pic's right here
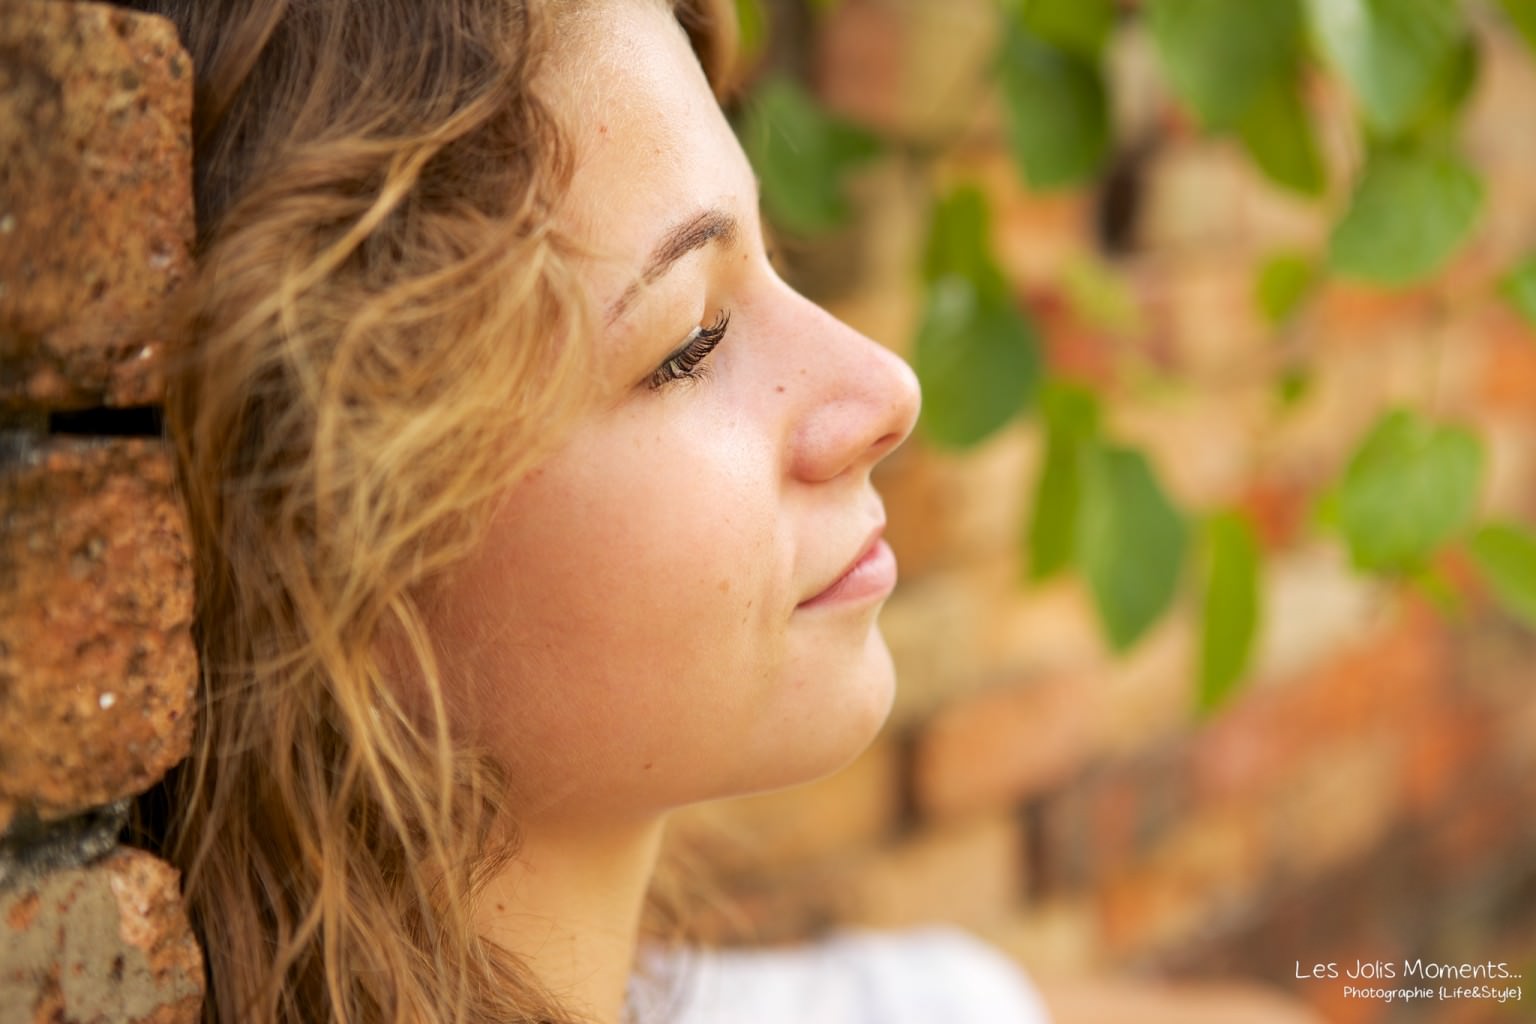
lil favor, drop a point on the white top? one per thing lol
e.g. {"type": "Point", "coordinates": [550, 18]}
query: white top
{"type": "Point", "coordinates": [930, 976]}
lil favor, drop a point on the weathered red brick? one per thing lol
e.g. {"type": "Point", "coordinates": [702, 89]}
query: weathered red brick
{"type": "Point", "coordinates": [103, 944]}
{"type": "Point", "coordinates": [1336, 806]}
{"type": "Point", "coordinates": [1277, 507]}
{"type": "Point", "coordinates": [946, 510]}
{"type": "Point", "coordinates": [910, 70]}
{"type": "Point", "coordinates": [97, 665]}
{"type": "Point", "coordinates": [96, 216]}
{"type": "Point", "coordinates": [1001, 746]}
{"type": "Point", "coordinates": [1212, 865]}
{"type": "Point", "coordinates": [1351, 313]}
{"type": "Point", "coordinates": [967, 873]}
{"type": "Point", "coordinates": [849, 810]}
{"type": "Point", "coordinates": [1509, 375]}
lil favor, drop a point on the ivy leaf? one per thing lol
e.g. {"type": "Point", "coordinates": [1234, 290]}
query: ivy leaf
{"type": "Point", "coordinates": [1294, 384]}
{"type": "Point", "coordinates": [1058, 110]}
{"type": "Point", "coordinates": [1071, 417]}
{"type": "Point", "coordinates": [1130, 542]}
{"type": "Point", "coordinates": [1220, 55]}
{"type": "Point", "coordinates": [1506, 554]}
{"type": "Point", "coordinates": [1277, 133]}
{"type": "Point", "coordinates": [959, 241]}
{"type": "Point", "coordinates": [1523, 14]}
{"type": "Point", "coordinates": [1519, 287]}
{"type": "Point", "coordinates": [1284, 281]}
{"type": "Point", "coordinates": [976, 354]}
{"type": "Point", "coordinates": [802, 155]}
{"type": "Point", "coordinates": [751, 28]}
{"type": "Point", "coordinates": [1231, 613]}
{"type": "Point", "coordinates": [1436, 588]}
{"type": "Point", "coordinates": [978, 359]}
{"type": "Point", "coordinates": [1390, 51]}
{"type": "Point", "coordinates": [1077, 26]}
{"type": "Point", "coordinates": [1436, 121]}
{"type": "Point", "coordinates": [1098, 294]}
{"type": "Point", "coordinates": [1409, 212]}
{"type": "Point", "coordinates": [1409, 488]}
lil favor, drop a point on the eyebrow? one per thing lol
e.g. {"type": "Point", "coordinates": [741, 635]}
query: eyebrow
{"type": "Point", "coordinates": [696, 232]}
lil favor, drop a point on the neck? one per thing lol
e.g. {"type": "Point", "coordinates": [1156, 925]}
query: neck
{"type": "Point", "coordinates": [569, 907]}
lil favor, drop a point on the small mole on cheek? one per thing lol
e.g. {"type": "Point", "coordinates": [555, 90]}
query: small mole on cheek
{"type": "Point", "coordinates": [648, 765]}
{"type": "Point", "coordinates": [779, 388]}
{"type": "Point", "coordinates": [725, 586]}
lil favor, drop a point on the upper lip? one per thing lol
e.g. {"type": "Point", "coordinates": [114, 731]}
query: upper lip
{"type": "Point", "coordinates": [870, 540]}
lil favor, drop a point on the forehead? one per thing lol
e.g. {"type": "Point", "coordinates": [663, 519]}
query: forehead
{"type": "Point", "coordinates": [650, 143]}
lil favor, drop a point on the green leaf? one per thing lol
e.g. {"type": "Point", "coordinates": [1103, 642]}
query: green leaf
{"type": "Point", "coordinates": [1506, 554]}
{"type": "Point", "coordinates": [1390, 51]}
{"type": "Point", "coordinates": [1071, 417]}
{"type": "Point", "coordinates": [1410, 487]}
{"type": "Point", "coordinates": [1077, 26]}
{"type": "Point", "coordinates": [1130, 542]}
{"type": "Point", "coordinates": [1058, 110]}
{"type": "Point", "coordinates": [1519, 287]}
{"type": "Point", "coordinates": [1277, 133]}
{"type": "Point", "coordinates": [976, 354]}
{"type": "Point", "coordinates": [1220, 54]}
{"type": "Point", "coordinates": [1231, 613]}
{"type": "Point", "coordinates": [1437, 120]}
{"type": "Point", "coordinates": [1409, 212]}
{"type": "Point", "coordinates": [802, 156]}
{"type": "Point", "coordinates": [1325, 510]}
{"type": "Point", "coordinates": [1294, 384]}
{"type": "Point", "coordinates": [1523, 14]}
{"type": "Point", "coordinates": [1436, 588]}
{"type": "Point", "coordinates": [978, 359]}
{"type": "Point", "coordinates": [959, 241]}
{"type": "Point", "coordinates": [752, 28]}
{"type": "Point", "coordinates": [1284, 281]}
{"type": "Point", "coordinates": [1096, 292]}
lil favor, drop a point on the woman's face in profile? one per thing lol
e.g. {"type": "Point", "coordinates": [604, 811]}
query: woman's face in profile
{"type": "Point", "coordinates": [680, 603]}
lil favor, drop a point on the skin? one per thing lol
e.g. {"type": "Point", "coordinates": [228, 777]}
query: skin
{"type": "Point", "coordinates": [632, 635]}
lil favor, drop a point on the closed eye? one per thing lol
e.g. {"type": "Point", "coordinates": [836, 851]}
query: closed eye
{"type": "Point", "coordinates": [687, 361]}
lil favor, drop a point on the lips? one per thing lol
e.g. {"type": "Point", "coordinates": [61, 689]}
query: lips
{"type": "Point", "coordinates": [871, 575]}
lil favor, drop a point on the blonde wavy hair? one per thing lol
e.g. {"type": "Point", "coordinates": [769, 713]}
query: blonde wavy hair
{"type": "Point", "coordinates": [387, 333]}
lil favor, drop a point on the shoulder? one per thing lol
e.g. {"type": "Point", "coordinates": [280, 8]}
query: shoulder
{"type": "Point", "coordinates": [910, 977]}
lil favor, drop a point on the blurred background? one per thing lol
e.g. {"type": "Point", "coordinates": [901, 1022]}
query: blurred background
{"type": "Point", "coordinates": [1216, 634]}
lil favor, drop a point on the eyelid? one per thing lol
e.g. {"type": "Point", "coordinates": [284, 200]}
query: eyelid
{"type": "Point", "coordinates": [685, 361]}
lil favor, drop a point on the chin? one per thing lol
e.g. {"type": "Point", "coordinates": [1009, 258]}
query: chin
{"type": "Point", "coordinates": [874, 688]}
{"type": "Point", "coordinates": [851, 708]}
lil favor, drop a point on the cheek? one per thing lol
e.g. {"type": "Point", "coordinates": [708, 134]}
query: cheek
{"type": "Point", "coordinates": [630, 599]}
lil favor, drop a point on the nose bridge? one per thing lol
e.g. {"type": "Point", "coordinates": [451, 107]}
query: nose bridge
{"type": "Point", "coordinates": [861, 402]}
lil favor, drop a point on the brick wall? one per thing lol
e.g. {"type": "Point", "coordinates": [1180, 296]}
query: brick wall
{"type": "Point", "coordinates": [97, 666]}
{"type": "Point", "coordinates": [1370, 793]}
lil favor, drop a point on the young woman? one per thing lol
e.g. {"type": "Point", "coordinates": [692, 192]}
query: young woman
{"type": "Point", "coordinates": [529, 504]}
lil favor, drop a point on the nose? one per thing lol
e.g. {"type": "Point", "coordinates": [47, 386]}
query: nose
{"type": "Point", "coordinates": [862, 404]}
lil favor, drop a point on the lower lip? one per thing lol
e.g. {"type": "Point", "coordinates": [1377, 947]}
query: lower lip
{"type": "Point", "coordinates": [873, 576]}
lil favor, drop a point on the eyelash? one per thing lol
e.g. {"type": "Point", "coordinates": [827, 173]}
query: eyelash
{"type": "Point", "coordinates": [687, 362]}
